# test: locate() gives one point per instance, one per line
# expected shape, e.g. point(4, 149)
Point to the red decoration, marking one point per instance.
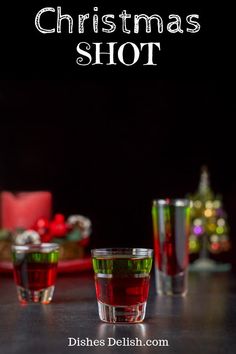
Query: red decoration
point(42, 226)
point(58, 227)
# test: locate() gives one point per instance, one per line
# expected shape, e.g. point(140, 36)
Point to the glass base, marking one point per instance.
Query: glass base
point(121, 314)
point(26, 295)
point(171, 285)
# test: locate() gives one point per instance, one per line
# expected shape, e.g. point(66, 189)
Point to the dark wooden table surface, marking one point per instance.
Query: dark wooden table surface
point(202, 322)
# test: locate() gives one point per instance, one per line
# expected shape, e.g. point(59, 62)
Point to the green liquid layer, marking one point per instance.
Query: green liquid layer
point(122, 265)
point(35, 257)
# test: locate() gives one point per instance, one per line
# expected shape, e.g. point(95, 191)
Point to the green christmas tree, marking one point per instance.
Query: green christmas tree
point(209, 228)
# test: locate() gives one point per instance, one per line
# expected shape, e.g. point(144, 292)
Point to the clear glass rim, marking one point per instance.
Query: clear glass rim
point(140, 252)
point(41, 247)
point(179, 202)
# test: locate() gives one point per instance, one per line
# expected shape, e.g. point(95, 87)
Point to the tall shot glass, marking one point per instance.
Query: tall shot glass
point(171, 230)
point(35, 270)
point(122, 283)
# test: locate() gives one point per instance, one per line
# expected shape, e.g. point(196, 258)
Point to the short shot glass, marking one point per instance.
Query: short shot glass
point(122, 283)
point(35, 271)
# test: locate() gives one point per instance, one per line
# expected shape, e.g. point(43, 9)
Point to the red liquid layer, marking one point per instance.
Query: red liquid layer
point(35, 276)
point(122, 291)
point(171, 258)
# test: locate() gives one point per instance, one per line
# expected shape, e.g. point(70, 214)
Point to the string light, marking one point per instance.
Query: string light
point(220, 230)
point(209, 204)
point(197, 222)
point(216, 204)
point(208, 213)
point(209, 220)
point(221, 222)
point(214, 238)
point(197, 204)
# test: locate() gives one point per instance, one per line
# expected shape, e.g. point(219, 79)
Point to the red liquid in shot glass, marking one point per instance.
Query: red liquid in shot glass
point(122, 291)
point(35, 270)
point(122, 281)
point(35, 276)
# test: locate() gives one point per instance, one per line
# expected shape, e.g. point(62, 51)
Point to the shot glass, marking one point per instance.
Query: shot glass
point(35, 271)
point(171, 231)
point(122, 283)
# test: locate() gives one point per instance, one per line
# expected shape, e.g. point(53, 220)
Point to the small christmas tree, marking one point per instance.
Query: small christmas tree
point(209, 227)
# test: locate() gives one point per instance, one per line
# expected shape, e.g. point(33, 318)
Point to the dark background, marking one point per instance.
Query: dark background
point(107, 148)
point(107, 140)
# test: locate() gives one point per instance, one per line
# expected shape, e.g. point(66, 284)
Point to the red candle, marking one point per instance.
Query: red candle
point(23, 209)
